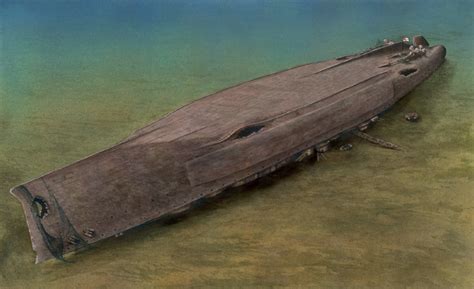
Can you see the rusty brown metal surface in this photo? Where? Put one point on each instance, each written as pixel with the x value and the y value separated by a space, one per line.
pixel 222 140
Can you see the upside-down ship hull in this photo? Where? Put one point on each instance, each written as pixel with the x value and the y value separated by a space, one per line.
pixel 222 140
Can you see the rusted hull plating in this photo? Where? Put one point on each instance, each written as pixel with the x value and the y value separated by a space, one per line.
pixel 222 140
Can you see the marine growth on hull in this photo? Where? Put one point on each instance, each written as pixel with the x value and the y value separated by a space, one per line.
pixel 222 140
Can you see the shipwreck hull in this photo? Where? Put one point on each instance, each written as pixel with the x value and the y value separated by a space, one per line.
pixel 222 140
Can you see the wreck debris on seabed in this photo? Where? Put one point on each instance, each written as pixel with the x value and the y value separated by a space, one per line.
pixel 412 116
pixel 377 141
pixel 223 140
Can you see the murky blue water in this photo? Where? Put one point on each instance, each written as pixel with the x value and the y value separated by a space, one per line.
pixel 78 76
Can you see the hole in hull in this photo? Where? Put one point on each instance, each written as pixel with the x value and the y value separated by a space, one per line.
pixel 247 131
pixel 408 71
pixel 40 207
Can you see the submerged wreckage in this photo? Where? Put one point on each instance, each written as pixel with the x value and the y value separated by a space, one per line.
pixel 223 140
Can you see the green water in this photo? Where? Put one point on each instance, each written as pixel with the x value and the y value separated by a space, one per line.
pixel 77 77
